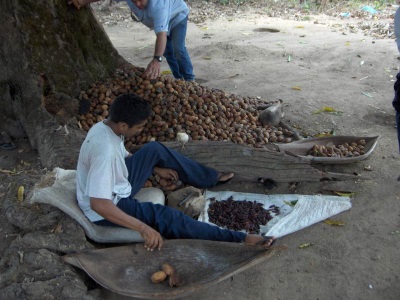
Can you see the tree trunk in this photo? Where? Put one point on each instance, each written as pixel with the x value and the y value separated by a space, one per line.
pixel 54 38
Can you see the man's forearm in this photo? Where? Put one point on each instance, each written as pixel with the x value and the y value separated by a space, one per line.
pixel 161 43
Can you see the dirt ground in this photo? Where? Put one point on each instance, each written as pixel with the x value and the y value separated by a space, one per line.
pixel 307 64
pixel 349 72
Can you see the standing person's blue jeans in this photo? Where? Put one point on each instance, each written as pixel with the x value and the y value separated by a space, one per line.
pixel 398 126
pixel 396 105
pixel 176 53
pixel 169 222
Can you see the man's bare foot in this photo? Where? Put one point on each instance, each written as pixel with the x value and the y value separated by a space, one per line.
pixel 265 241
pixel 224 177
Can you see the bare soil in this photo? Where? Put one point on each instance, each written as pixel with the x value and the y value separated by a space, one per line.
pixel 307 62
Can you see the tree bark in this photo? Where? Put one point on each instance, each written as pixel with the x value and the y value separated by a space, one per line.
pixel 54 38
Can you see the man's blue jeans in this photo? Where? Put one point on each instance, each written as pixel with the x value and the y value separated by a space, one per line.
pixel 169 222
pixel 176 53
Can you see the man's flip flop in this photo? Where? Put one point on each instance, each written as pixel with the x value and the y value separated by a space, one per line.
pixel 225 181
pixel 7 146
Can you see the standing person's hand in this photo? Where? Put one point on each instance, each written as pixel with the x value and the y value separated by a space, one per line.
pixel 152 238
pixel 76 3
pixel 153 69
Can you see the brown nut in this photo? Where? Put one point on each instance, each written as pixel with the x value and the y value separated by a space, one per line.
pixel 175 280
pixel 158 277
pixel 168 269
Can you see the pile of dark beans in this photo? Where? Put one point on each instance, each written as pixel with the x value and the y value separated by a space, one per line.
pixel 240 215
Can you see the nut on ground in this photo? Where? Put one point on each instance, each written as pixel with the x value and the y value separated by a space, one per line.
pixel 158 277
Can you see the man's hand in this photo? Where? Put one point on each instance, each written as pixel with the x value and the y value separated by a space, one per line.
pixel 80 3
pixel 168 174
pixel 76 3
pixel 152 238
pixel 108 210
pixel 153 69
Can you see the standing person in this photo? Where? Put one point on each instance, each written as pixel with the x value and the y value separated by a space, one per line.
pixel 396 100
pixel 108 177
pixel 168 19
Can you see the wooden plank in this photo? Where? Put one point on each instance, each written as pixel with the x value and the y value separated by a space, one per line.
pixel 248 163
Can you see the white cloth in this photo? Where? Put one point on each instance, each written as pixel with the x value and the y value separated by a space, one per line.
pixel 101 170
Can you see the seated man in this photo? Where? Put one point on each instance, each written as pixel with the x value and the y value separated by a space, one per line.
pixel 108 176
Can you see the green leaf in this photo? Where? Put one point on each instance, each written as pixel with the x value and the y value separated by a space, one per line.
pixel 291 203
pixel 334 222
pixel 343 194
pixel 329 110
pixel 305 245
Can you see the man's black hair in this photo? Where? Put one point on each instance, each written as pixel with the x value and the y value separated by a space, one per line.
pixel 130 109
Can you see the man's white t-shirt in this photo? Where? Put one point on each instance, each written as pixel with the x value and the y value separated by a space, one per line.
pixel 101 170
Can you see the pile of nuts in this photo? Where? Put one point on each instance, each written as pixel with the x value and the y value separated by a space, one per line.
pixel 167 270
pixel 344 150
pixel 181 106
pixel 240 215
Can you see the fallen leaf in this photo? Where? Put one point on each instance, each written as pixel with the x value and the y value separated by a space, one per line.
pixel 21 256
pixel 291 203
pixel 328 109
pixel 344 194
pixel 289 59
pixel 395 232
pixel 20 193
pixel 334 222
pixel 305 245
pixel 296 88
pixel 26 164
pixel 347 44
pixel 367 94
pixel 167 72
pixel 246 33
pixel 323 134
pixel 57 229
pixel 12 172
pixel 143 47
pixel 204 28
pixel 207 57
pixel 300 26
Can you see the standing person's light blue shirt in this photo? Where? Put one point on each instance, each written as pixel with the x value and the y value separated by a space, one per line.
pixel 397 27
pixel 161 15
